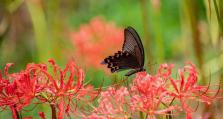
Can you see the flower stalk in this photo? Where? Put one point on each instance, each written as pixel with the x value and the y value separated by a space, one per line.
pixel 15 113
pixel 53 111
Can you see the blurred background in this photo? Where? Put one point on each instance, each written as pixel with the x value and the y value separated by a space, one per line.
pixel 87 31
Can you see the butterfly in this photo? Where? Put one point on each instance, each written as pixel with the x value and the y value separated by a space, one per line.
pixel 131 57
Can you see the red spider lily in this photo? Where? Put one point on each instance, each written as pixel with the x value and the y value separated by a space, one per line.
pixel 165 70
pixel 64 89
pixel 186 88
pixel 16 90
pixel 153 95
pixel 113 104
pixel 149 94
pixel 61 87
pixel 96 40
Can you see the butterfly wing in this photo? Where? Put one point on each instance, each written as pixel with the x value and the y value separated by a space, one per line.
pixel 121 61
pixel 133 45
pixel 131 56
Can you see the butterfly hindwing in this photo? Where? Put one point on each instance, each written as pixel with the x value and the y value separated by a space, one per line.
pixel 121 61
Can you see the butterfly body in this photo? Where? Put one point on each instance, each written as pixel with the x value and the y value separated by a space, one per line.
pixel 131 56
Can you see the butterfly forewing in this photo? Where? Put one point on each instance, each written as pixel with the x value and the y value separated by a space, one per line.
pixel 133 45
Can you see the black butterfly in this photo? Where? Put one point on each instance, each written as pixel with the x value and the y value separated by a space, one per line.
pixel 132 54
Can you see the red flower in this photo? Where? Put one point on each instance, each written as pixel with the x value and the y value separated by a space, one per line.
pixel 61 87
pixel 113 104
pixel 186 88
pixel 16 90
pixel 65 91
pixel 153 95
pixel 149 95
pixel 96 40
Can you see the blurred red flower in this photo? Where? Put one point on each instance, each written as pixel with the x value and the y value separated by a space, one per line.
pixel 113 104
pixel 96 40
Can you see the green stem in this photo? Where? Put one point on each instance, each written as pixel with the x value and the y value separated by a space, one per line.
pixel 218 16
pixel 158 36
pixel 141 115
pixel 192 10
pixel 40 29
pixel 147 33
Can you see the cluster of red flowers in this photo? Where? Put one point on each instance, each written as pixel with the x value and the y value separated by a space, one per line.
pixel 61 88
pixel 96 40
pixel 65 92
pixel 154 95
